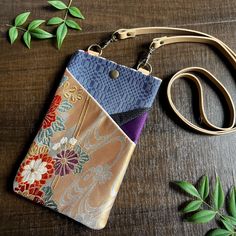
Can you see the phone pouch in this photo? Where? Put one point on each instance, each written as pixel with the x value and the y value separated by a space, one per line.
pixel 79 156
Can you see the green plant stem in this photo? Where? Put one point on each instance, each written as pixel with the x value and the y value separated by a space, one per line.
pixel 217 212
pixel 67 10
pixel 212 208
pixel 19 28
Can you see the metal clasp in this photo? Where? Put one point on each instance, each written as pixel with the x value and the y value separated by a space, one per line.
pixel 99 48
pixel 144 63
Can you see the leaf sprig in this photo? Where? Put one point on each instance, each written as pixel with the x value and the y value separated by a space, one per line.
pixel 202 211
pixel 32 30
pixel 64 23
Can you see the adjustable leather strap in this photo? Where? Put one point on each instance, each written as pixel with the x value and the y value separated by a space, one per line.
pixel 131 33
pixel 183 36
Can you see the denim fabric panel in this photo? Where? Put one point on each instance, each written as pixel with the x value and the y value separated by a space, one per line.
pixel 131 90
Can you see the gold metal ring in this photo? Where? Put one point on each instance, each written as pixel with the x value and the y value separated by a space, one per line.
pixel 146 66
pixel 95 48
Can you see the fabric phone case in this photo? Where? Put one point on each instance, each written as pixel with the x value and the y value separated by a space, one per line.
pixel 79 156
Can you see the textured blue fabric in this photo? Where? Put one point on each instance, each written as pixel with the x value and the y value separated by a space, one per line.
pixel 131 90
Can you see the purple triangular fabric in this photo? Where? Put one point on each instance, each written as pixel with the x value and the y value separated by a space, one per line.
pixel 134 127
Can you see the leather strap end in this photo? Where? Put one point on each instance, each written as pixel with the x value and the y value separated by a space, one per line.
pixel 125 33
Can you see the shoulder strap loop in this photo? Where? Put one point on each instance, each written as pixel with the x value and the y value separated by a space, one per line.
pixel 186 36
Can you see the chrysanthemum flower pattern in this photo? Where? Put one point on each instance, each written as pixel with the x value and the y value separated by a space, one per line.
pixel 36 170
pixel 68 156
pixel 65 162
pixel 33 173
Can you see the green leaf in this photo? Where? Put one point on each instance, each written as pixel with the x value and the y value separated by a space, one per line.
pixel 58 125
pixel 78 169
pixel 202 216
pixel 219 232
pixel 58 4
pixel 35 24
pixel 78 149
pixel 27 38
pixel 47 192
pixel 61 34
pixel 43 136
pixel 227 224
pixel 74 11
pixel 232 202
pixel 84 155
pixel 21 19
pixel 13 34
pixel 55 21
pixel 51 204
pixel 231 219
pixel 64 106
pixel 72 24
pixel 192 206
pixel 40 34
pixel 218 194
pixel 188 187
pixel 204 187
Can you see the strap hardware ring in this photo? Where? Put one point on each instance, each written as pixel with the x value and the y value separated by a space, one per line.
pixel 145 66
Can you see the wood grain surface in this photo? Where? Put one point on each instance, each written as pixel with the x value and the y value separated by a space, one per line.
pixel 147 204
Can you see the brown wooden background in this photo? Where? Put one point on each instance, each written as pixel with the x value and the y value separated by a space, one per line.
pixel 147 204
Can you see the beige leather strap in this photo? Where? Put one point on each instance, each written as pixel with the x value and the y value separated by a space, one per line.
pixel 183 36
pixel 130 33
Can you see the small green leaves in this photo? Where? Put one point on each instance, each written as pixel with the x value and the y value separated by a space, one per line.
pixel 55 21
pixel 232 202
pixel 192 206
pixel 27 38
pixel 61 34
pixel 218 195
pixel 13 34
pixel 21 19
pixel 201 211
pixel 219 232
pixel 33 30
pixel 72 24
pixel 202 216
pixel 62 29
pixel 40 34
pixel 204 187
pixel 74 11
pixel 58 5
pixel 188 188
pixel 35 24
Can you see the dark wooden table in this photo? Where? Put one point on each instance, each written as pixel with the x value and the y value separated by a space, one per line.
pixel 147 204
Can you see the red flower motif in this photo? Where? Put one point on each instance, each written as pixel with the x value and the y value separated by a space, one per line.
pixel 51 114
pixel 35 170
pixel 30 191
